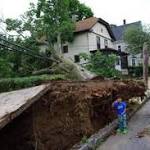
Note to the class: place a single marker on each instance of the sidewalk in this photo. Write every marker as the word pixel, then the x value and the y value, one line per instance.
pixel 130 141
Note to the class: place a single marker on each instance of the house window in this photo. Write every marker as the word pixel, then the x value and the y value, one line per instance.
pixel 76 58
pixel 133 61
pixel 101 30
pixel 119 48
pixel 98 42
pixel 106 43
pixel 65 49
pixel 118 61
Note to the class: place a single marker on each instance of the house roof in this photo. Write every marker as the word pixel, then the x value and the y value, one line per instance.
pixel 87 24
pixel 119 31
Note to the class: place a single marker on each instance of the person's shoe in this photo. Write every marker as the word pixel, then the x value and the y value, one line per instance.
pixel 125 131
pixel 119 130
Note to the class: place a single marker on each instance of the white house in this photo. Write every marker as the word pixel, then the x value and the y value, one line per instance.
pixel 119 44
pixel 90 35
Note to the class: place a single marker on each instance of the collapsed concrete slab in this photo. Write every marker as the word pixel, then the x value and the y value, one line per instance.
pixel 12 104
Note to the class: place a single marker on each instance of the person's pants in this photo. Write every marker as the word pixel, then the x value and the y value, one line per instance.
pixel 122 121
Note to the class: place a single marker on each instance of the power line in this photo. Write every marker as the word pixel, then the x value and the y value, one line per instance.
pixel 17 48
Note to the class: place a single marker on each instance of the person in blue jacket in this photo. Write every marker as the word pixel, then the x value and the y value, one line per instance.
pixel 120 107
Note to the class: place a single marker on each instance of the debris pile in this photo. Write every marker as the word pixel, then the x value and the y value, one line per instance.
pixel 68 112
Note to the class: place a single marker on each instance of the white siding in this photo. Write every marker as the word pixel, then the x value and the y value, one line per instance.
pixel 137 59
pixel 87 41
pixel 122 44
pixel 92 41
pixel 79 45
pixel 101 30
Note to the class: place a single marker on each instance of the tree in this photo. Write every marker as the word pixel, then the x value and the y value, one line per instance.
pixel 57 18
pixel 49 19
pixel 80 10
pixel 6 69
pixel 101 64
pixel 138 39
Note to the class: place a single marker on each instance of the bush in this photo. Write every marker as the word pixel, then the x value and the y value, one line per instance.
pixel 9 84
pixel 136 71
pixel 5 68
pixel 101 64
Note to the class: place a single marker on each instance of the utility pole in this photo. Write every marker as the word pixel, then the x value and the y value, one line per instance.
pixel 145 64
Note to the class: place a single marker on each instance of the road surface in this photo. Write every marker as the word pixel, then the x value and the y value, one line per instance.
pixel 130 141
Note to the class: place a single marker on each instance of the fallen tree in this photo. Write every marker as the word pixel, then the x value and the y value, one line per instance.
pixel 68 68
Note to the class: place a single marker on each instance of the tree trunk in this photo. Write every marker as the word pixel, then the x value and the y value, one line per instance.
pixel 59 43
pixel 145 64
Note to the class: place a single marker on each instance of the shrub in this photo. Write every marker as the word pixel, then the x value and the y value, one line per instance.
pixel 9 84
pixel 5 68
pixel 136 71
pixel 101 64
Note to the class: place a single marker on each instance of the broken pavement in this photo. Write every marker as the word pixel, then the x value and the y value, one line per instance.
pixel 64 113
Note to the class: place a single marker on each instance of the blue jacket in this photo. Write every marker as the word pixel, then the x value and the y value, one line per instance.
pixel 120 107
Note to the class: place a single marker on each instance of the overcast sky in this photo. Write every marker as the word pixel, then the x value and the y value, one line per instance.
pixel 113 11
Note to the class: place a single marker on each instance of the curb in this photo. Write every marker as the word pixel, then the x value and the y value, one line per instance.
pixel 96 139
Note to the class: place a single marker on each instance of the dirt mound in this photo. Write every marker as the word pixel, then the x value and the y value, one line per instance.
pixel 68 112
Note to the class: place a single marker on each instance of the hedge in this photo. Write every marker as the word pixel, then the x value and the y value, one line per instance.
pixel 137 71
pixel 9 84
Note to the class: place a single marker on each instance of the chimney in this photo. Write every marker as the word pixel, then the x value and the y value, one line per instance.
pixel 124 22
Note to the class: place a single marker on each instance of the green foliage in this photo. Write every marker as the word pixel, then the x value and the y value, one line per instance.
pixel 135 37
pixel 101 64
pixel 5 68
pixel 81 11
pixel 21 64
pixel 56 17
pixel 136 71
pixel 84 139
pixel 49 19
pixel 85 56
pixel 55 20
pixel 8 84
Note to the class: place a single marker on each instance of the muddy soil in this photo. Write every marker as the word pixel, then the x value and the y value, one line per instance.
pixel 65 114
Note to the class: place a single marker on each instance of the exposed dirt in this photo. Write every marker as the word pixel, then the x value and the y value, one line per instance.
pixel 69 111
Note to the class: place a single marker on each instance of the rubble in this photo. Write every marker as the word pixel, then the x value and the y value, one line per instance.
pixel 68 112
